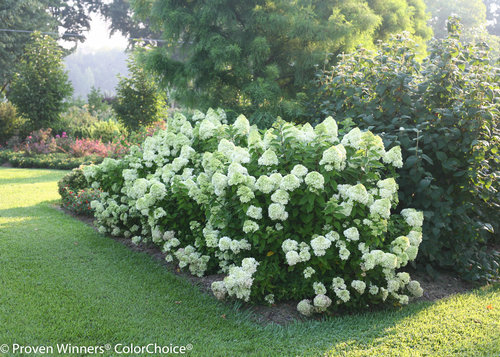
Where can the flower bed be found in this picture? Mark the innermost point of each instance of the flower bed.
(43, 150)
(294, 212)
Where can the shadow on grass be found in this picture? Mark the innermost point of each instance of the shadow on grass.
(28, 211)
(42, 177)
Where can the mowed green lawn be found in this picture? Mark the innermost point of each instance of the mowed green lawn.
(61, 282)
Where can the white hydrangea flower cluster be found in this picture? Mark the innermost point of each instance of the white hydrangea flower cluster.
(277, 212)
(315, 180)
(188, 256)
(254, 212)
(319, 288)
(299, 171)
(295, 252)
(351, 234)
(328, 129)
(300, 188)
(321, 302)
(219, 289)
(340, 289)
(353, 139)
(387, 188)
(382, 207)
(269, 298)
(359, 286)
(413, 218)
(334, 158)
(394, 157)
(242, 125)
(319, 245)
(305, 307)
(290, 183)
(268, 158)
(236, 246)
(239, 281)
(308, 272)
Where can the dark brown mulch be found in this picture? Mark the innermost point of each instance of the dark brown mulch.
(444, 284)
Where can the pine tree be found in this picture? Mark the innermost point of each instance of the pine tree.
(139, 102)
(256, 57)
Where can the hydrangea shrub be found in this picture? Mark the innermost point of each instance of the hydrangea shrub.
(293, 212)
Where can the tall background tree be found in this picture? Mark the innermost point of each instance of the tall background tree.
(18, 15)
(139, 101)
(68, 18)
(120, 15)
(256, 56)
(40, 84)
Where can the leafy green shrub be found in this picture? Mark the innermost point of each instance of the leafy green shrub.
(444, 114)
(76, 122)
(10, 122)
(107, 114)
(139, 101)
(73, 181)
(293, 212)
(60, 161)
(95, 100)
(107, 131)
(79, 201)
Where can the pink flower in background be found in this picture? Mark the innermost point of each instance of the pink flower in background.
(42, 142)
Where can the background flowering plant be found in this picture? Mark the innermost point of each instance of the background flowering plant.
(79, 201)
(290, 212)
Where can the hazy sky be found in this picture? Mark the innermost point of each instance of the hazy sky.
(98, 37)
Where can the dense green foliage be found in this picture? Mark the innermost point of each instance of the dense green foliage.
(75, 194)
(95, 100)
(10, 122)
(60, 267)
(75, 121)
(139, 102)
(74, 181)
(79, 201)
(107, 131)
(445, 115)
(40, 84)
(118, 12)
(78, 122)
(255, 57)
(21, 15)
(69, 18)
(60, 161)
